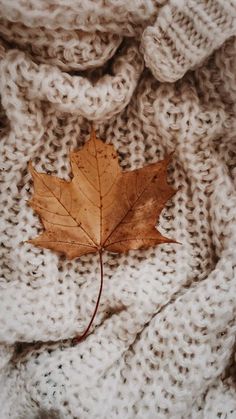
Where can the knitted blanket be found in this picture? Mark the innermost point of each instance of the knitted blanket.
(153, 77)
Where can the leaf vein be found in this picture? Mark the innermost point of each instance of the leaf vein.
(88, 235)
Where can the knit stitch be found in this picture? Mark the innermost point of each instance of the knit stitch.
(68, 50)
(185, 33)
(162, 345)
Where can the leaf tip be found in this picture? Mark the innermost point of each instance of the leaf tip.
(171, 153)
(168, 158)
(30, 241)
(93, 136)
(30, 166)
(172, 241)
(31, 169)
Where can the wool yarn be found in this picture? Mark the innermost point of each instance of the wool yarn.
(162, 345)
(185, 33)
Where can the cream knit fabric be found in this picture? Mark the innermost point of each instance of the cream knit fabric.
(163, 342)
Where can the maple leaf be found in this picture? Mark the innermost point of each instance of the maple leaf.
(102, 207)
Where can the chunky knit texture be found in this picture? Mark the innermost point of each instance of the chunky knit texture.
(163, 343)
(185, 33)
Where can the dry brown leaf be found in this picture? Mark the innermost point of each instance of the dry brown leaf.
(102, 207)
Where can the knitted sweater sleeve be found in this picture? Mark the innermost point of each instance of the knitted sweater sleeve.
(185, 33)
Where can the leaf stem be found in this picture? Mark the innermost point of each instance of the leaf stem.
(78, 339)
